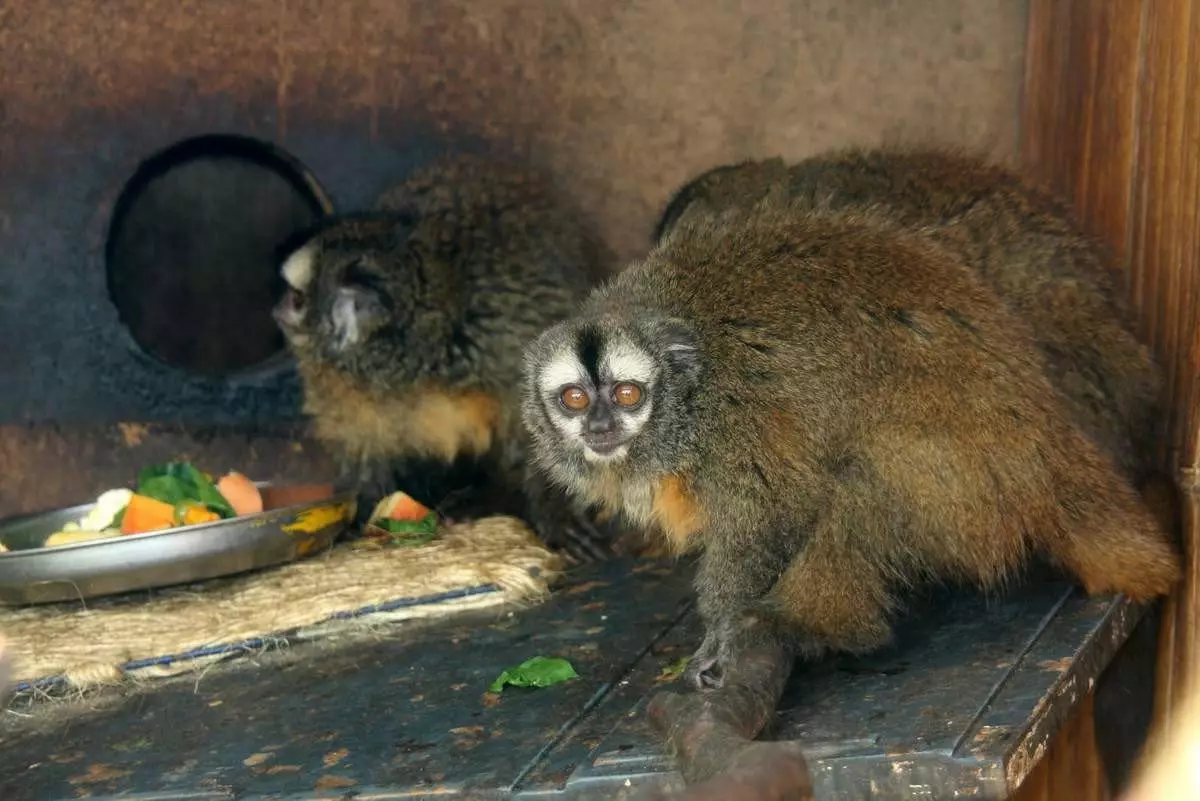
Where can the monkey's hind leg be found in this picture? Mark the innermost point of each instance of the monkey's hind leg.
(831, 598)
(828, 596)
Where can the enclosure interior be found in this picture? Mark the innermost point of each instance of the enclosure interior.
(153, 154)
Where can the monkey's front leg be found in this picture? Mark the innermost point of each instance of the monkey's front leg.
(732, 580)
(711, 734)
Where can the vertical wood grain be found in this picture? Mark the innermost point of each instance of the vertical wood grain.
(1071, 768)
(1111, 119)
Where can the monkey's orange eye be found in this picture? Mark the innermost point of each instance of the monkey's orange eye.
(574, 398)
(627, 394)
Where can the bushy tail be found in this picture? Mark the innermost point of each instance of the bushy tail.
(1128, 545)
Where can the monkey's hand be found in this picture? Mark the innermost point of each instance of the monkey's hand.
(726, 639)
(706, 669)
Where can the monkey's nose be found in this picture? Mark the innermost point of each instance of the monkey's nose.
(287, 311)
(600, 424)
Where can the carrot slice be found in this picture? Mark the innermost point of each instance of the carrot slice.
(146, 514)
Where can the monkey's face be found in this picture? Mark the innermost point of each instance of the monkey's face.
(598, 393)
(595, 388)
(336, 298)
(342, 303)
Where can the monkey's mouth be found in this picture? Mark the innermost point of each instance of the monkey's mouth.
(606, 445)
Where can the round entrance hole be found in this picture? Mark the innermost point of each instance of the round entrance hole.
(192, 250)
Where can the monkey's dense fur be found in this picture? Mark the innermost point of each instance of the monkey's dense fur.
(408, 324)
(869, 370)
(1019, 240)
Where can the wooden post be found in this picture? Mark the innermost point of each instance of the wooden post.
(1111, 119)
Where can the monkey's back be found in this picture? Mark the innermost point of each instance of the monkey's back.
(1019, 240)
(846, 356)
(519, 258)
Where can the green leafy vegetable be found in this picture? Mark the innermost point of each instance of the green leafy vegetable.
(540, 671)
(176, 482)
(674, 670)
(408, 533)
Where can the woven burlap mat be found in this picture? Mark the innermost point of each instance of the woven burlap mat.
(489, 562)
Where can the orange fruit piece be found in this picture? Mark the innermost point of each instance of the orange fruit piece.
(241, 493)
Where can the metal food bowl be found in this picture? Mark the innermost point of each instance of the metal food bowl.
(296, 522)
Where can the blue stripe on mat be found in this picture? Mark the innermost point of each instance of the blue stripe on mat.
(255, 644)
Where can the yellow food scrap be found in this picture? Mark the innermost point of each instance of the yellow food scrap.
(313, 520)
(78, 535)
(196, 513)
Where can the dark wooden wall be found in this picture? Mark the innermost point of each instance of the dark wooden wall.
(1111, 118)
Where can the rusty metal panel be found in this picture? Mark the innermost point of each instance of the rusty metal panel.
(49, 465)
(620, 101)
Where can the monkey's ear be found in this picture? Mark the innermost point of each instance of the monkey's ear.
(356, 312)
(681, 346)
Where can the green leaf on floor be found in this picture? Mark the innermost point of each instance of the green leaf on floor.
(540, 671)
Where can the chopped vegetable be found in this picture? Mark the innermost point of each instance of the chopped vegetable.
(105, 512)
(674, 670)
(241, 493)
(400, 506)
(408, 533)
(407, 508)
(176, 482)
(166, 496)
(78, 535)
(190, 513)
(540, 671)
(399, 520)
(147, 514)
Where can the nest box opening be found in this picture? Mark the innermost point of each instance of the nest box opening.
(191, 254)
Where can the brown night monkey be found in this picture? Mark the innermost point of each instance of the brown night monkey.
(840, 379)
(408, 323)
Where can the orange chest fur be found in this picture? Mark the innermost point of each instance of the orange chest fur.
(677, 512)
(667, 504)
(427, 421)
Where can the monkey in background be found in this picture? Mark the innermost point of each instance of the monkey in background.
(408, 322)
(1019, 240)
(832, 403)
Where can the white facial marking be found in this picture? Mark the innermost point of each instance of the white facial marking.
(564, 368)
(625, 363)
(599, 458)
(297, 270)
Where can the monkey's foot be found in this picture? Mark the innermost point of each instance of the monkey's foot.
(711, 732)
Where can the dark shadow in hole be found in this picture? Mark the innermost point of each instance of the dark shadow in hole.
(191, 250)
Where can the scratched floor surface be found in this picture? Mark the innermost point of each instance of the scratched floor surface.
(964, 702)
